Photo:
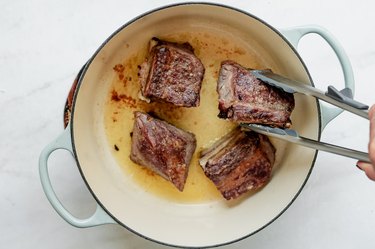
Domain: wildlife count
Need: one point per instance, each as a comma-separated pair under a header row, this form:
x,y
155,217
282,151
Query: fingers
x,y
372,111
371,115
368,169
371,145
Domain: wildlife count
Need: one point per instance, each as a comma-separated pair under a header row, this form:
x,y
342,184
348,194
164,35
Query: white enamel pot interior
x,y
202,224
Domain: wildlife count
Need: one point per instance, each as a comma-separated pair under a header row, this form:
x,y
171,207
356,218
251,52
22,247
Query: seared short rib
x,y
162,147
238,162
171,73
244,98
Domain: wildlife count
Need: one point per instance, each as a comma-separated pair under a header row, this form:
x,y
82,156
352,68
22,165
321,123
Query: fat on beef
x,y
244,98
239,162
162,147
171,73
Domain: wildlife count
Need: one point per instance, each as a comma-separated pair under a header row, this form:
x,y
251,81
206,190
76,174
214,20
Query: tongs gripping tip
x,y
342,99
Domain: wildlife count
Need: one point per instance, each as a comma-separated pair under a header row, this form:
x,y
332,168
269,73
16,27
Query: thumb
x,y
368,169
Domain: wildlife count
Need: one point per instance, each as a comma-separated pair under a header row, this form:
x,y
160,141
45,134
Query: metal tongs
x,y
342,99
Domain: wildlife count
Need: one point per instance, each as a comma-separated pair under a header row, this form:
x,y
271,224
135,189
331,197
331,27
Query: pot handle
x,y
99,217
295,34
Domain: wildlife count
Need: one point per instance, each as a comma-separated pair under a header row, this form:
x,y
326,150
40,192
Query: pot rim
x,y
83,71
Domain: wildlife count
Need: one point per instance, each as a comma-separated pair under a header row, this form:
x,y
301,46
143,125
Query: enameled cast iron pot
x,y
121,201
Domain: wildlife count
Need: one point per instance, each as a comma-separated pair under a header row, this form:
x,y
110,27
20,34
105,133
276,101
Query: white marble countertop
x,y
44,44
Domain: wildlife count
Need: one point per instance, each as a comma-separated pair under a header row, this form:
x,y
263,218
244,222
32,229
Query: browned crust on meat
x,y
162,147
172,73
244,163
244,98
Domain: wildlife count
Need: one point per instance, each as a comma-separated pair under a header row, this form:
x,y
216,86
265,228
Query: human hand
x,y
368,168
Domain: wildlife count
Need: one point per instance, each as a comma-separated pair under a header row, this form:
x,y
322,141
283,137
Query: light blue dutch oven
x,y
207,224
